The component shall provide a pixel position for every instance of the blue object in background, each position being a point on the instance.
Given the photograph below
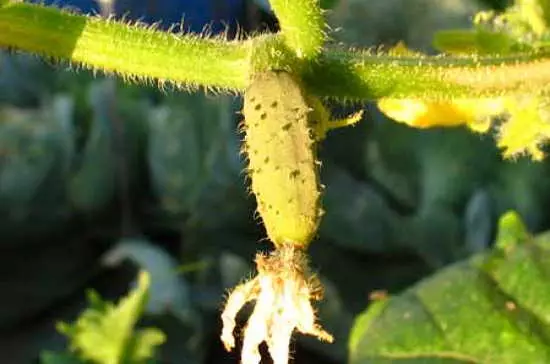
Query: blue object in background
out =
(218, 14)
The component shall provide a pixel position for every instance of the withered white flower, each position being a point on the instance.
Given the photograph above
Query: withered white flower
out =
(283, 290)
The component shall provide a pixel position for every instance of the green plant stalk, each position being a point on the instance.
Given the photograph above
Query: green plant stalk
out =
(355, 76)
(143, 54)
(134, 52)
(302, 26)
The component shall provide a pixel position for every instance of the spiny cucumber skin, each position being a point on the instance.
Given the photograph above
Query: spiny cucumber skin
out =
(283, 170)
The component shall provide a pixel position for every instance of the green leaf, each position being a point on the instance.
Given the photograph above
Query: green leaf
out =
(329, 4)
(536, 13)
(104, 333)
(527, 21)
(470, 312)
(511, 231)
(92, 185)
(478, 41)
(58, 358)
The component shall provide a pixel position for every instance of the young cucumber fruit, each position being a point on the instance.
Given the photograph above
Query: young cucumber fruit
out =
(280, 144)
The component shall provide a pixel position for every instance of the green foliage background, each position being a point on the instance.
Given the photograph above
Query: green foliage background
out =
(96, 169)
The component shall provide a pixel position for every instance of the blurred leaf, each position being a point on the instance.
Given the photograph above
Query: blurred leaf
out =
(92, 185)
(26, 158)
(62, 109)
(132, 127)
(104, 333)
(264, 4)
(175, 157)
(374, 22)
(194, 161)
(325, 4)
(58, 358)
(190, 267)
(536, 13)
(525, 21)
(232, 269)
(329, 4)
(434, 234)
(26, 79)
(479, 41)
(168, 290)
(495, 4)
(510, 230)
(356, 208)
(392, 160)
(493, 308)
(522, 185)
(35, 154)
(478, 224)
(442, 166)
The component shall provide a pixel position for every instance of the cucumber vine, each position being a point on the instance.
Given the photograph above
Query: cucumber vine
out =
(500, 69)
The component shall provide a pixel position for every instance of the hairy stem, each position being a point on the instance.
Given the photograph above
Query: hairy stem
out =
(132, 51)
(302, 26)
(146, 55)
(352, 75)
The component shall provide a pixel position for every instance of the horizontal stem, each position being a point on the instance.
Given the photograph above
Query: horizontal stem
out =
(143, 54)
(352, 75)
(134, 51)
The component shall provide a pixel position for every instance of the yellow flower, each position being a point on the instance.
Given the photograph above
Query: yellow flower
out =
(527, 127)
(524, 129)
(476, 113)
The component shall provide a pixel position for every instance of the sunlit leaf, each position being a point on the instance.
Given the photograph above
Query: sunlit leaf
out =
(478, 41)
(510, 229)
(536, 13)
(527, 21)
(493, 308)
(105, 333)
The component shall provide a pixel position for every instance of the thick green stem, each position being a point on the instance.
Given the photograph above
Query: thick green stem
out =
(358, 76)
(302, 26)
(132, 51)
(143, 54)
